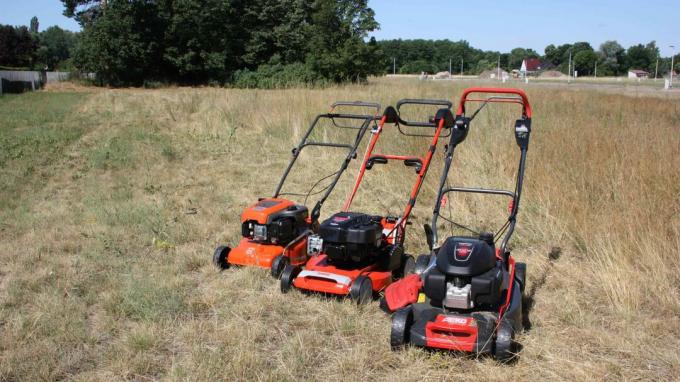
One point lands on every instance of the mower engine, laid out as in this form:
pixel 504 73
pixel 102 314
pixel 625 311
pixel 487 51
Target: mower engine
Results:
pixel 467 274
pixel 348 237
pixel 274 221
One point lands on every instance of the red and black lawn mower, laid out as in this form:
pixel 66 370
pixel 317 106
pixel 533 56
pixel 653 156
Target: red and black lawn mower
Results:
pixel 275 229
pixel 358 254
pixel 467 294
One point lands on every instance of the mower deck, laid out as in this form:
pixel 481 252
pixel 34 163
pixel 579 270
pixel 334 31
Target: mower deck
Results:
pixel 320 276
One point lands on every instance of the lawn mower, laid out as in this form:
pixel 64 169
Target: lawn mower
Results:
pixel 275 229
pixel 359 254
pixel 467 294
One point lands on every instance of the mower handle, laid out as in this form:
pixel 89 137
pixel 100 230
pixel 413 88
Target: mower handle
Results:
pixel 522 100
pixel 372 105
pixel 419 101
pixel 423 101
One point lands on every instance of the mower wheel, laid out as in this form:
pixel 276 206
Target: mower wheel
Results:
pixel 521 275
pixel 361 290
pixel 289 274
pixel 278 265
pixel 421 263
pixel 408 266
pixel 401 327
pixel 220 257
pixel 505 348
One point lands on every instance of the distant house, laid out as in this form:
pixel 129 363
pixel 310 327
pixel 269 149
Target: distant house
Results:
pixel 637 73
pixel 531 66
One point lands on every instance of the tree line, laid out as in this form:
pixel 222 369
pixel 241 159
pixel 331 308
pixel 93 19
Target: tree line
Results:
pixel 610 59
pixel 250 43
pixel 25 48
pixel 268 44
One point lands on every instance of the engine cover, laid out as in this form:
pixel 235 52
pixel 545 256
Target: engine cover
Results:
pixel 351 236
pixel 273 220
pixel 465 256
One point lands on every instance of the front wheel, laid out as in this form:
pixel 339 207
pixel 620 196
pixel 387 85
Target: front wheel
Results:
pixel 289 274
pixel 220 257
pixel 505 348
pixel 401 328
pixel 361 290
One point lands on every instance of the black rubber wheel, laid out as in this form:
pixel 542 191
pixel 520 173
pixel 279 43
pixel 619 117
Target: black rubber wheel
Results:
pixel 421 263
pixel 505 348
pixel 401 328
pixel 521 275
pixel 408 266
pixel 278 265
pixel 220 257
pixel 361 290
pixel 289 274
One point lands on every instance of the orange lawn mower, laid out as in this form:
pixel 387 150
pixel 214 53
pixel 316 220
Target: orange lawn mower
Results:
pixel 274 230
pixel 467 294
pixel 358 254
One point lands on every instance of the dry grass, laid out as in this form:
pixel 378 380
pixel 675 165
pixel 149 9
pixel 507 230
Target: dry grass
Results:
pixel 105 272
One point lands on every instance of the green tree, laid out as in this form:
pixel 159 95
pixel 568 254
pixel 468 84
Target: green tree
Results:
pixel 34 25
pixel 613 57
pixel 642 56
pixel 336 48
pixel 202 40
pixel 518 55
pixel 55 47
pixel 120 48
pixel 17 46
pixel 584 62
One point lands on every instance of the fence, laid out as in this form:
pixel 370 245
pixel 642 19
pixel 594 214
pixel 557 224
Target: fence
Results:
pixel 14 81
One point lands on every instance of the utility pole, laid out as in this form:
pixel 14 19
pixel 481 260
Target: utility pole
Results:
pixel 394 65
pixel 672 63
pixel 449 67
pixel 656 70
pixel 461 68
pixel 595 68
pixel 569 70
pixel 499 66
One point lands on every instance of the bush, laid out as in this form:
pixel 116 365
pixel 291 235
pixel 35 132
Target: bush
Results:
pixel 278 76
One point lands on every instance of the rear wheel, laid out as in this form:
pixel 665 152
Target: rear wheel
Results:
pixel 408 266
pixel 361 290
pixel 278 265
pixel 421 263
pixel 289 274
pixel 401 327
pixel 220 257
pixel 521 275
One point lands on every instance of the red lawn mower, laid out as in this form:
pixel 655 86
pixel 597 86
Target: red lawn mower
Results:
pixel 275 229
pixel 467 294
pixel 358 254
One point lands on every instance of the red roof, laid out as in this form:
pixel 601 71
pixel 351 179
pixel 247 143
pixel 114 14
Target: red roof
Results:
pixel 533 64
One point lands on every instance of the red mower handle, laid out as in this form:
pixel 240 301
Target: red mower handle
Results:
pixel 522 100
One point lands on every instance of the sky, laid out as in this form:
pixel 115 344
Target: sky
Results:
pixel 489 24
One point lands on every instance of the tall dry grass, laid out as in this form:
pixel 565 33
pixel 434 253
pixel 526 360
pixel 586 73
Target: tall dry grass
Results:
pixel 105 263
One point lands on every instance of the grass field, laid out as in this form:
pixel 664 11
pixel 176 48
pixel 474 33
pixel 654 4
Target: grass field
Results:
pixel 112 201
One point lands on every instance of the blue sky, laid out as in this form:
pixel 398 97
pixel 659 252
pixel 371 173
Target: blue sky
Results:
pixel 488 24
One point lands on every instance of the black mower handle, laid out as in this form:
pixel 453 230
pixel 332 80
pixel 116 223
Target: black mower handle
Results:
pixel 423 101
pixel 372 105
pixel 419 101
